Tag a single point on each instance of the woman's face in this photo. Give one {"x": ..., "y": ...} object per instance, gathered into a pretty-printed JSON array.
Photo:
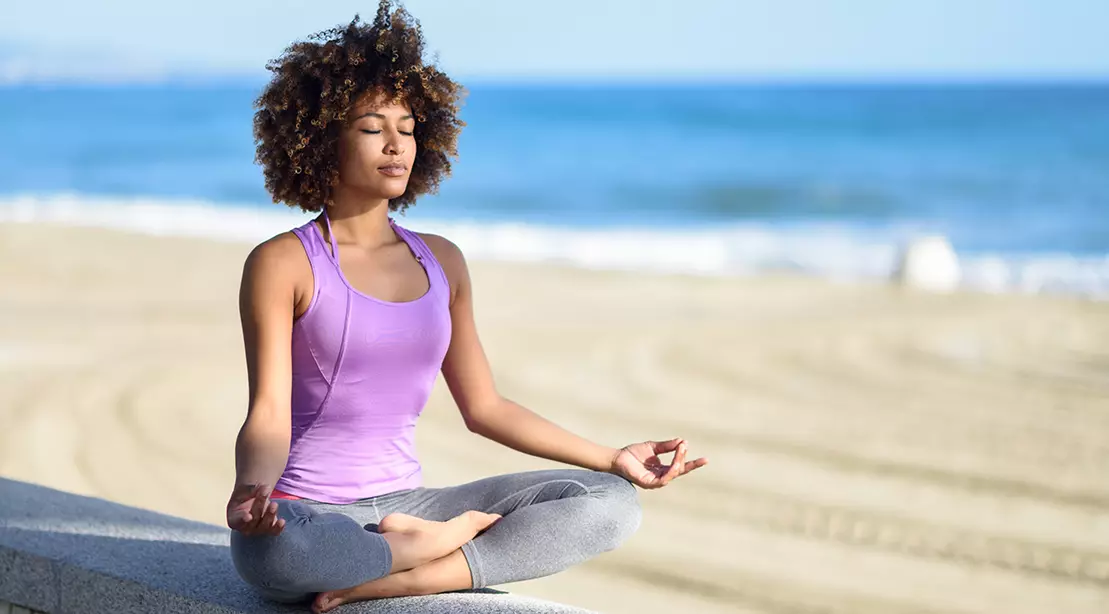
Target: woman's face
[{"x": 376, "y": 148}]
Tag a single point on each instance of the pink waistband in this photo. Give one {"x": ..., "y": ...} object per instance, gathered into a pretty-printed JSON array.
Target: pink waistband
[{"x": 277, "y": 494}]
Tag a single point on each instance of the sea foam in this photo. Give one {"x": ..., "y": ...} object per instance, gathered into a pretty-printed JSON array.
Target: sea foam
[{"x": 830, "y": 250}]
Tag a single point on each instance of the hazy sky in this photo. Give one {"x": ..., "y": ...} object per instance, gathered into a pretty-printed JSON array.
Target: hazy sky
[{"x": 574, "y": 38}]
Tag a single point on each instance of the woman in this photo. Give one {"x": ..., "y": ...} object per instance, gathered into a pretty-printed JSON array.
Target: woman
[{"x": 348, "y": 319}]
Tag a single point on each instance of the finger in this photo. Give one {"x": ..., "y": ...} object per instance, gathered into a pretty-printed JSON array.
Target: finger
[
  {"x": 260, "y": 525},
  {"x": 248, "y": 523},
  {"x": 258, "y": 507},
  {"x": 676, "y": 465},
  {"x": 661, "y": 447},
  {"x": 269, "y": 519},
  {"x": 238, "y": 520},
  {"x": 275, "y": 527},
  {"x": 252, "y": 525},
  {"x": 695, "y": 464}
]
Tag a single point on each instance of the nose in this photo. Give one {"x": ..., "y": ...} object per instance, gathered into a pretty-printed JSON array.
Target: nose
[{"x": 393, "y": 145}]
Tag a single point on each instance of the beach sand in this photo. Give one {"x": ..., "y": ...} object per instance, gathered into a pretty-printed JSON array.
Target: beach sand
[{"x": 871, "y": 450}]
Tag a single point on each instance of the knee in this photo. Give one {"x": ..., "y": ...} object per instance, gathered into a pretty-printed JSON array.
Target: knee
[
  {"x": 618, "y": 511},
  {"x": 262, "y": 561},
  {"x": 269, "y": 562}
]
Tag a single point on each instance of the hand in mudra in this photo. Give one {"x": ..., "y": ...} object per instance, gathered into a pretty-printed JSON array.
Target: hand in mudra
[
  {"x": 640, "y": 463},
  {"x": 250, "y": 512}
]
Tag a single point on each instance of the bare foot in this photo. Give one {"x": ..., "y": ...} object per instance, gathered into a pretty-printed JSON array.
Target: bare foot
[
  {"x": 325, "y": 602},
  {"x": 436, "y": 540},
  {"x": 394, "y": 523},
  {"x": 403, "y": 523},
  {"x": 416, "y": 541}
]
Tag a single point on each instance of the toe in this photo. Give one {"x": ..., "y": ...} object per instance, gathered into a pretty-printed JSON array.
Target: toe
[{"x": 324, "y": 602}]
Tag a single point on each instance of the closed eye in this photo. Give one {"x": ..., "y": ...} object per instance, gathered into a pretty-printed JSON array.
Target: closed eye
[{"x": 379, "y": 132}]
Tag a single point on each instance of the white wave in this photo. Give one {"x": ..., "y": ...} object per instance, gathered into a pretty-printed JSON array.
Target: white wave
[
  {"x": 1039, "y": 274},
  {"x": 836, "y": 251},
  {"x": 186, "y": 218}
]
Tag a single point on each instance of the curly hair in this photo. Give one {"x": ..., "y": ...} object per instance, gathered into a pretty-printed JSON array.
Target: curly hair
[{"x": 301, "y": 112}]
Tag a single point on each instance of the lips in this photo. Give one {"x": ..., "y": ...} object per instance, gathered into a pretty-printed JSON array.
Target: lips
[{"x": 393, "y": 170}]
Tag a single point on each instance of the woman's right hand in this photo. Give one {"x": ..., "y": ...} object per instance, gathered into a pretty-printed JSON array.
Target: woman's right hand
[{"x": 250, "y": 512}]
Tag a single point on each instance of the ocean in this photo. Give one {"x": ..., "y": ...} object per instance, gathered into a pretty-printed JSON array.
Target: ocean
[{"x": 827, "y": 180}]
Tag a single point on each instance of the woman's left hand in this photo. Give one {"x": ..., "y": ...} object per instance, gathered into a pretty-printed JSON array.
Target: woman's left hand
[{"x": 640, "y": 463}]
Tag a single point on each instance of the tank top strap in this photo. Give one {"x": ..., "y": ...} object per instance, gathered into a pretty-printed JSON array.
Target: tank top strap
[
  {"x": 334, "y": 253},
  {"x": 323, "y": 274},
  {"x": 424, "y": 254},
  {"x": 310, "y": 237}
]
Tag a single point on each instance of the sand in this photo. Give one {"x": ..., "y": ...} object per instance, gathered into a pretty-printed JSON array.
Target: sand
[{"x": 871, "y": 450}]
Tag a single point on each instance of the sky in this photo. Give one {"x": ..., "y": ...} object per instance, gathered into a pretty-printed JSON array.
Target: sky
[{"x": 574, "y": 39}]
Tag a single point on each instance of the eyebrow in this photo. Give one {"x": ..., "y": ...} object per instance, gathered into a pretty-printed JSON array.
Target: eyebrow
[{"x": 380, "y": 116}]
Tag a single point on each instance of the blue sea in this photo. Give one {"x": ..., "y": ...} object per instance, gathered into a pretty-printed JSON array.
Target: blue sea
[{"x": 827, "y": 180}]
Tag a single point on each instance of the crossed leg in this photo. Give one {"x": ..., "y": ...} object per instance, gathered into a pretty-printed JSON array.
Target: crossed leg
[{"x": 550, "y": 521}]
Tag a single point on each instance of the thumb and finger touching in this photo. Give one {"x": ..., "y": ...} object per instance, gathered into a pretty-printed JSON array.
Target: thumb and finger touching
[{"x": 662, "y": 447}]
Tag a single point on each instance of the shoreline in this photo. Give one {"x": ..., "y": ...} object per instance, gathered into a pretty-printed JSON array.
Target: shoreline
[{"x": 755, "y": 248}]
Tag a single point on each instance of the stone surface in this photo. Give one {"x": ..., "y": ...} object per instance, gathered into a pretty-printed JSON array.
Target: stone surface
[
  {"x": 65, "y": 553},
  {"x": 7, "y": 608},
  {"x": 25, "y": 578}
]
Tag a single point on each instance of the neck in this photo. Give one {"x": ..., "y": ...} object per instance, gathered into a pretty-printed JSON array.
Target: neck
[{"x": 360, "y": 220}]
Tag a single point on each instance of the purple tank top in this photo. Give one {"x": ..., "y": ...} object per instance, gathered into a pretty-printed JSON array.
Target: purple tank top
[{"x": 363, "y": 369}]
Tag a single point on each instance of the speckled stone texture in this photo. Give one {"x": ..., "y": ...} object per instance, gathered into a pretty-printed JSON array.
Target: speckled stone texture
[{"x": 68, "y": 554}]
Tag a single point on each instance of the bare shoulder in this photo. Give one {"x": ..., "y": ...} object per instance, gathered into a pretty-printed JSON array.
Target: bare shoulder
[
  {"x": 279, "y": 265},
  {"x": 446, "y": 252},
  {"x": 450, "y": 258},
  {"x": 275, "y": 255}
]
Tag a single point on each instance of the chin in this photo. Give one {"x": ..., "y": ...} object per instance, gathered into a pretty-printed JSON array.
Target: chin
[{"x": 390, "y": 190}]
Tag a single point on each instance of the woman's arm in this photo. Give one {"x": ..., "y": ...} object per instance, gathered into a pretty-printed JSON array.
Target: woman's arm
[
  {"x": 266, "y": 305},
  {"x": 470, "y": 380}
]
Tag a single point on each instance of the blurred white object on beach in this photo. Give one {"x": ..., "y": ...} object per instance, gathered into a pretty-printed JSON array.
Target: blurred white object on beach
[{"x": 929, "y": 264}]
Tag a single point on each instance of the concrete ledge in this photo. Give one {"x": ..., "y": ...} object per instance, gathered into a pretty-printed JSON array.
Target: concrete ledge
[
  {"x": 7, "y": 608},
  {"x": 67, "y": 554}
]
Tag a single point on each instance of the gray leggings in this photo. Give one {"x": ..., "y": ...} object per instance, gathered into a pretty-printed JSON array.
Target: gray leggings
[{"x": 551, "y": 520}]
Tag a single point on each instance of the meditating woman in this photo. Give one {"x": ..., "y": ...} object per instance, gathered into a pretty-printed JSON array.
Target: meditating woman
[{"x": 347, "y": 321}]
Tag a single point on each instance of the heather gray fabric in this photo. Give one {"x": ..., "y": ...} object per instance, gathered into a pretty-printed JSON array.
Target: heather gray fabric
[{"x": 551, "y": 520}]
